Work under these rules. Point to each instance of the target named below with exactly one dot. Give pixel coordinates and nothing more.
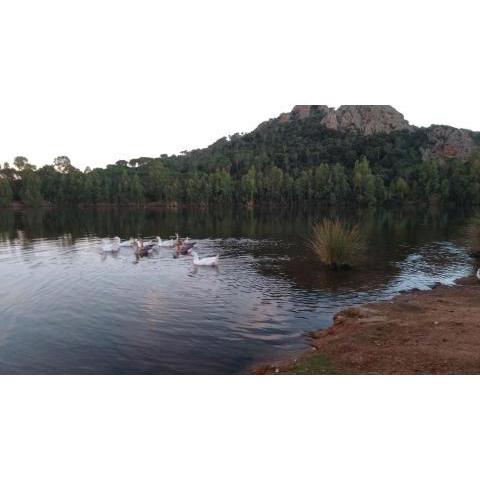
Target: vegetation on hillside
(283, 164)
(6, 194)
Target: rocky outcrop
(301, 112)
(370, 119)
(448, 142)
(442, 142)
(366, 119)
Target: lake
(66, 308)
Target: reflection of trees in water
(305, 271)
(391, 236)
(380, 226)
(307, 274)
(471, 236)
(22, 225)
(411, 226)
(127, 222)
(33, 223)
(7, 225)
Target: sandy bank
(432, 332)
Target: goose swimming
(141, 249)
(165, 243)
(185, 248)
(113, 246)
(207, 261)
(126, 243)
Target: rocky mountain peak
(366, 119)
(448, 142)
(442, 142)
(370, 119)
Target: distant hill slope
(314, 134)
(440, 141)
(356, 154)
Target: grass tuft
(313, 365)
(337, 245)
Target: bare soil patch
(432, 332)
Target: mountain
(441, 142)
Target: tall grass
(337, 245)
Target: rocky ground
(420, 332)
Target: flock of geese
(181, 246)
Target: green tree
(158, 182)
(399, 190)
(429, 180)
(6, 194)
(136, 194)
(20, 162)
(273, 183)
(380, 189)
(249, 186)
(30, 192)
(51, 188)
(222, 185)
(364, 182)
(62, 164)
(322, 183)
(340, 190)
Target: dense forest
(293, 163)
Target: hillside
(313, 134)
(366, 154)
(441, 142)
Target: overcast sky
(101, 81)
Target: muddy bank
(420, 332)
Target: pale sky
(105, 80)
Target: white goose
(148, 243)
(165, 243)
(478, 273)
(111, 246)
(205, 262)
(127, 243)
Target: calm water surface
(67, 308)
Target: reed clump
(337, 245)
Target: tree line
(292, 164)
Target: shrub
(337, 245)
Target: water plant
(337, 245)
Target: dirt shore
(420, 332)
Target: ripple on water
(68, 308)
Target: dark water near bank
(66, 308)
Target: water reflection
(68, 308)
